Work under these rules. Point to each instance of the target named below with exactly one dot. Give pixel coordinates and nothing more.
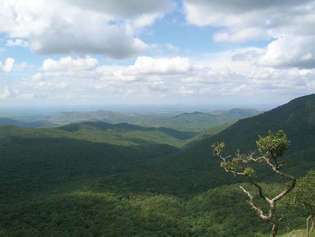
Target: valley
(95, 178)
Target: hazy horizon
(166, 108)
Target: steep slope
(296, 118)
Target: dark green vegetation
(85, 180)
(304, 197)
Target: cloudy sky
(81, 52)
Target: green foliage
(273, 144)
(269, 147)
(304, 194)
(248, 171)
(218, 148)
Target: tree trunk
(274, 230)
(309, 225)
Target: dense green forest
(100, 179)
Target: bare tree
(269, 150)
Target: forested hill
(125, 128)
(296, 118)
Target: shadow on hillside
(31, 166)
(41, 164)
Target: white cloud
(125, 8)
(17, 43)
(150, 65)
(239, 15)
(7, 65)
(69, 64)
(232, 74)
(107, 27)
(289, 25)
(291, 52)
(145, 68)
(285, 67)
(240, 36)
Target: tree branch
(275, 168)
(251, 202)
(260, 192)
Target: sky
(148, 52)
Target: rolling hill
(194, 122)
(99, 132)
(22, 124)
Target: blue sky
(142, 52)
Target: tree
(304, 196)
(270, 149)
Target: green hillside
(297, 119)
(128, 134)
(100, 132)
(98, 179)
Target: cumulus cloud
(98, 27)
(285, 67)
(150, 65)
(291, 52)
(69, 64)
(231, 74)
(112, 41)
(245, 20)
(7, 65)
(145, 68)
(289, 25)
(125, 8)
(240, 36)
(241, 14)
(16, 43)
